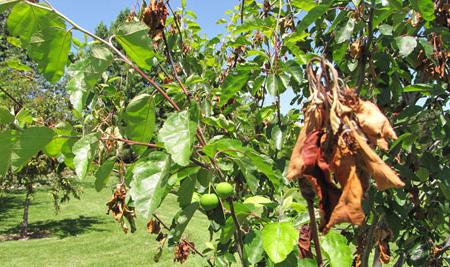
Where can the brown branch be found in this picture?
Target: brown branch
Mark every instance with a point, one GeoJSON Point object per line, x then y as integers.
{"type": "Point", "coordinates": [131, 142]}
{"type": "Point", "coordinates": [176, 24]}
{"type": "Point", "coordinates": [240, 243]}
{"type": "Point", "coordinates": [366, 48]}
{"type": "Point", "coordinates": [11, 97]}
{"type": "Point", "coordinates": [308, 194]}
{"type": "Point", "coordinates": [174, 71]}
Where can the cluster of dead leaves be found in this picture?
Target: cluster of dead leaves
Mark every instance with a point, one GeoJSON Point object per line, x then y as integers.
{"type": "Point", "coordinates": [119, 209]}
{"type": "Point", "coordinates": [182, 251]}
{"type": "Point", "coordinates": [155, 16]}
{"type": "Point", "coordinates": [436, 65]}
{"type": "Point", "coordinates": [334, 150]}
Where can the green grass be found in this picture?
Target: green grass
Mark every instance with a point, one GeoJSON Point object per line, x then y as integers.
{"type": "Point", "coordinates": [83, 235]}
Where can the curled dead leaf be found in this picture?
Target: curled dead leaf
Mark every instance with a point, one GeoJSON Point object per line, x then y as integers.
{"type": "Point", "coordinates": [374, 124]}
{"type": "Point", "coordinates": [304, 242]}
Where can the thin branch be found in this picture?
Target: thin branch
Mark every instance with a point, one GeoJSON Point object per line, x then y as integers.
{"type": "Point", "coordinates": [308, 194]}
{"type": "Point", "coordinates": [240, 243]}
{"type": "Point", "coordinates": [176, 24]}
{"type": "Point", "coordinates": [174, 71]}
{"type": "Point", "coordinates": [11, 97]}
{"type": "Point", "coordinates": [366, 48]}
{"type": "Point", "coordinates": [242, 11]}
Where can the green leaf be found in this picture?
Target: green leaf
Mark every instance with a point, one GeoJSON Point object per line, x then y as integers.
{"type": "Point", "coordinates": [103, 173]}
{"type": "Point", "coordinates": [28, 144]}
{"type": "Point", "coordinates": [15, 63]}
{"type": "Point", "coordinates": [149, 185]}
{"type": "Point", "coordinates": [180, 175]}
{"type": "Point", "coordinates": [85, 73]}
{"type": "Point", "coordinates": [312, 16]}
{"type": "Point", "coordinates": [5, 4]}
{"type": "Point", "coordinates": [181, 221]}
{"type": "Point", "coordinates": [140, 119]}
{"type": "Point", "coordinates": [186, 191]}
{"type": "Point", "coordinates": [44, 35]}
{"type": "Point", "coordinates": [84, 150]}
{"type": "Point", "coordinates": [406, 45]}
{"type": "Point", "coordinates": [178, 134]}
{"type": "Point", "coordinates": [386, 29]}
{"type": "Point", "coordinates": [5, 116]}
{"type": "Point", "coordinates": [306, 5]}
{"type": "Point", "coordinates": [427, 47]}
{"type": "Point", "coordinates": [24, 117]}
{"type": "Point", "coordinates": [64, 130]}
{"type": "Point", "coordinates": [277, 137]}
{"type": "Point", "coordinates": [275, 85]}
{"type": "Point", "coordinates": [279, 239]}
{"type": "Point", "coordinates": [345, 33]}
{"type": "Point", "coordinates": [6, 146]}
{"type": "Point", "coordinates": [337, 250]}
{"type": "Point", "coordinates": [253, 247]}
{"type": "Point", "coordinates": [134, 39]}
{"type": "Point", "coordinates": [426, 8]}
{"type": "Point", "coordinates": [233, 83]}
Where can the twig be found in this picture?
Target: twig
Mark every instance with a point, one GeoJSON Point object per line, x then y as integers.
{"type": "Point", "coordinates": [240, 243]}
{"type": "Point", "coordinates": [369, 241]}
{"type": "Point", "coordinates": [131, 142]}
{"type": "Point", "coordinates": [308, 194]}
{"type": "Point", "coordinates": [174, 71]}
{"type": "Point", "coordinates": [176, 24]}
{"type": "Point", "coordinates": [242, 11]}
{"type": "Point", "coordinates": [11, 97]}
{"type": "Point", "coordinates": [366, 48]}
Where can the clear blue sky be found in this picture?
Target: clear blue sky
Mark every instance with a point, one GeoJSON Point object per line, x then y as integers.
{"type": "Point", "coordinates": [89, 13]}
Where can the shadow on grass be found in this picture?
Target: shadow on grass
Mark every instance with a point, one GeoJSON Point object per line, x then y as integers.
{"type": "Point", "coordinates": [59, 228]}
{"type": "Point", "coordinates": [10, 205]}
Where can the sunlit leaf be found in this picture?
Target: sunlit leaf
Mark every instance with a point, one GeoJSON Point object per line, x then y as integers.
{"type": "Point", "coordinates": [406, 45]}
{"type": "Point", "coordinates": [28, 144]}
{"type": "Point", "coordinates": [84, 150]}
{"type": "Point", "coordinates": [178, 135]}
{"type": "Point", "coordinates": [279, 239]}
{"type": "Point", "coordinates": [140, 120]}
{"type": "Point", "coordinates": [103, 173]}
{"type": "Point", "coordinates": [149, 185]}
{"type": "Point", "coordinates": [134, 39]}
{"type": "Point", "coordinates": [337, 250]}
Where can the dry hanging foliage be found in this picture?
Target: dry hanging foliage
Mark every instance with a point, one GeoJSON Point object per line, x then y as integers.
{"type": "Point", "coordinates": [155, 16]}
{"type": "Point", "coordinates": [336, 146]}
{"type": "Point", "coordinates": [117, 205]}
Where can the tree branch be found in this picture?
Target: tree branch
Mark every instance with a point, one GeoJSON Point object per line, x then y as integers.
{"type": "Point", "coordinates": [11, 97]}
{"type": "Point", "coordinates": [366, 48]}
{"type": "Point", "coordinates": [174, 71]}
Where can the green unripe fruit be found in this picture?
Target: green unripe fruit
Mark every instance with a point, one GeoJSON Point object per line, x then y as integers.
{"type": "Point", "coordinates": [209, 201]}
{"type": "Point", "coordinates": [224, 189]}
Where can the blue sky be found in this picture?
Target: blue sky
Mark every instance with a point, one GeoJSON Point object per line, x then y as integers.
{"type": "Point", "coordinates": [88, 13]}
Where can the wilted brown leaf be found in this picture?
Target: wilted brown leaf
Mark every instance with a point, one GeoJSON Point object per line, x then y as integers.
{"type": "Point", "coordinates": [304, 242]}
{"type": "Point", "coordinates": [374, 124]}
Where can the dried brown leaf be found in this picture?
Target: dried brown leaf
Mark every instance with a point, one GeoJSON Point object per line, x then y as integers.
{"type": "Point", "coordinates": [374, 124]}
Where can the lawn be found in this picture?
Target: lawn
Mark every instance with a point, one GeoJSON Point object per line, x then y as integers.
{"type": "Point", "coordinates": [81, 234]}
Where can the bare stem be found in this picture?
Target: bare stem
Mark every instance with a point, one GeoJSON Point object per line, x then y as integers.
{"type": "Point", "coordinates": [366, 48]}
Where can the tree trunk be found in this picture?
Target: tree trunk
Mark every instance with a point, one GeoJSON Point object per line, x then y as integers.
{"type": "Point", "coordinates": [24, 229]}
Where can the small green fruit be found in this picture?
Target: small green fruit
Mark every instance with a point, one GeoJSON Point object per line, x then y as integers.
{"type": "Point", "coordinates": [209, 201]}
{"type": "Point", "coordinates": [224, 189]}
